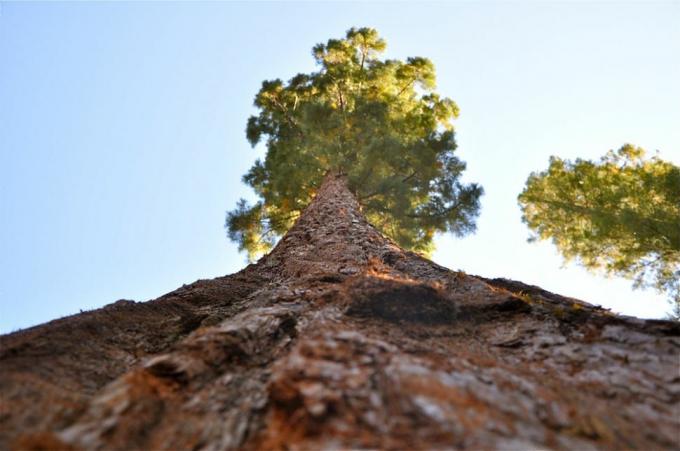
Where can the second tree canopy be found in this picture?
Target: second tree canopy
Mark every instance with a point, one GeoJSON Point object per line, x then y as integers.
{"type": "Point", "coordinates": [620, 214]}
{"type": "Point", "coordinates": [381, 123]}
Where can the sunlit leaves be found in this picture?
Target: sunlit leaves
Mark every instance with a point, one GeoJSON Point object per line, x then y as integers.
{"type": "Point", "coordinates": [621, 214]}
{"type": "Point", "coordinates": [377, 121]}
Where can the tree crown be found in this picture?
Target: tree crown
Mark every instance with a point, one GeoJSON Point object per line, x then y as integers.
{"type": "Point", "coordinates": [621, 214]}
{"type": "Point", "coordinates": [379, 122]}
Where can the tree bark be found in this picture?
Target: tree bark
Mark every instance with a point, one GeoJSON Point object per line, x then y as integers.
{"type": "Point", "coordinates": [340, 339]}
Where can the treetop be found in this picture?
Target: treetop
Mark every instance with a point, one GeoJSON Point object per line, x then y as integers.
{"type": "Point", "coordinates": [380, 122]}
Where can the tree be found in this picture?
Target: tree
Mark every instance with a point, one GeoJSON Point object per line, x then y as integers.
{"type": "Point", "coordinates": [340, 339]}
{"type": "Point", "coordinates": [620, 214]}
{"type": "Point", "coordinates": [381, 123]}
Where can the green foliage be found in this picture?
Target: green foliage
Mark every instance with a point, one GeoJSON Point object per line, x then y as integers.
{"type": "Point", "coordinates": [621, 214]}
{"type": "Point", "coordinates": [381, 123]}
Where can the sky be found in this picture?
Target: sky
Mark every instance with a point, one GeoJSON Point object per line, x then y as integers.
{"type": "Point", "coordinates": [122, 138]}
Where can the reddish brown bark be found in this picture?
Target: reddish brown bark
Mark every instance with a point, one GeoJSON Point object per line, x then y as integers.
{"type": "Point", "coordinates": [340, 339]}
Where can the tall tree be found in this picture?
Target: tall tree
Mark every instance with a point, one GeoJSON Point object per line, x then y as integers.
{"type": "Point", "coordinates": [620, 214]}
{"type": "Point", "coordinates": [381, 123]}
{"type": "Point", "coordinates": [338, 338]}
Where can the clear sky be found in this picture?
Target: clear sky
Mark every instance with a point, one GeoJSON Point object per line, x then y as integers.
{"type": "Point", "coordinates": [122, 129]}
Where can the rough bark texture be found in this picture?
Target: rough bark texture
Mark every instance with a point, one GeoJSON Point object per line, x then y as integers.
{"type": "Point", "coordinates": [340, 339]}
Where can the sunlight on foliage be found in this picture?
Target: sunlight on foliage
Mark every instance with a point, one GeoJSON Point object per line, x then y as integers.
{"type": "Point", "coordinates": [377, 121]}
{"type": "Point", "coordinates": [621, 214]}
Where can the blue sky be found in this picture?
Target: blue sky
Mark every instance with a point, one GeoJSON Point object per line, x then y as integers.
{"type": "Point", "coordinates": [122, 129]}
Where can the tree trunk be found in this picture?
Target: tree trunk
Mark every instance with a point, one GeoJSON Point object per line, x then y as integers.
{"type": "Point", "coordinates": [340, 339]}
